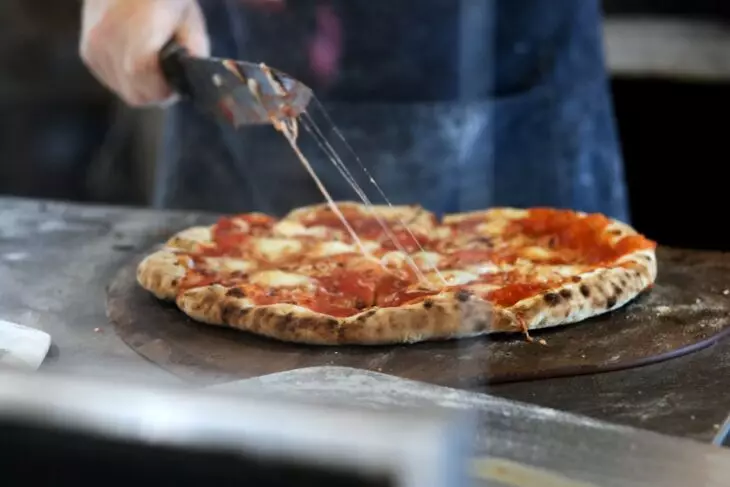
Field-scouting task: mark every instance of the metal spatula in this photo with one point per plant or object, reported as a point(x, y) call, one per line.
point(239, 92)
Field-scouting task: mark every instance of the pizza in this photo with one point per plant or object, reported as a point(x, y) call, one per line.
point(404, 276)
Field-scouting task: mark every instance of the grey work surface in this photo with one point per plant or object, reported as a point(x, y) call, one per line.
point(56, 259)
point(576, 448)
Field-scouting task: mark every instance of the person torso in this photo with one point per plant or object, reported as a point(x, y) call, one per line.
point(456, 105)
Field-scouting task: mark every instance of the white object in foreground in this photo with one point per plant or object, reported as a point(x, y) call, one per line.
point(22, 347)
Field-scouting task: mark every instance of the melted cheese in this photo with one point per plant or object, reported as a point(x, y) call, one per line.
point(326, 249)
point(288, 228)
point(486, 268)
point(281, 279)
point(482, 289)
point(537, 254)
point(190, 238)
point(452, 277)
point(274, 249)
point(427, 260)
point(394, 258)
point(568, 270)
point(227, 264)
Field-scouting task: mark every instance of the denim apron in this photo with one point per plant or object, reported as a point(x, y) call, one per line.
point(456, 105)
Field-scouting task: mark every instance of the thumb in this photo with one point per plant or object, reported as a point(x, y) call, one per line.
point(192, 33)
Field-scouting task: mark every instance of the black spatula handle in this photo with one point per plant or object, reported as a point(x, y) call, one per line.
point(172, 63)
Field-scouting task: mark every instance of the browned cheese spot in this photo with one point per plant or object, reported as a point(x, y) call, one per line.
point(611, 302)
point(428, 303)
point(617, 290)
point(576, 279)
point(566, 294)
point(174, 282)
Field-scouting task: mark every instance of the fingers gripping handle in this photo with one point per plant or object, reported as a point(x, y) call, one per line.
point(172, 64)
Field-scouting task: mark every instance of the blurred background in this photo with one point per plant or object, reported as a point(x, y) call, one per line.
point(63, 136)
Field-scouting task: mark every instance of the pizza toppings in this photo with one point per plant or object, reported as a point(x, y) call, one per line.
point(540, 265)
point(530, 253)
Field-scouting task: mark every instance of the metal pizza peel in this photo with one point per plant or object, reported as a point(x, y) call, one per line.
point(236, 92)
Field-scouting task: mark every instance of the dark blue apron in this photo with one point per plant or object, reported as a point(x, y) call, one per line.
point(456, 105)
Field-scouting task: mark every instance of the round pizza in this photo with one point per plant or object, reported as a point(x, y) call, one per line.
point(399, 274)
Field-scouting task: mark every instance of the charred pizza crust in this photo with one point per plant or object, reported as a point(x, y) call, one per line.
point(447, 315)
point(444, 316)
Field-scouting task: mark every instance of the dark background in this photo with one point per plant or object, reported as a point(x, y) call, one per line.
point(62, 136)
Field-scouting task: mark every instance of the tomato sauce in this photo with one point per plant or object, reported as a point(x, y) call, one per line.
point(513, 293)
point(347, 286)
point(409, 241)
point(586, 235)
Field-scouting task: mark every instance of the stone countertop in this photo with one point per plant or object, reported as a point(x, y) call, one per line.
point(56, 260)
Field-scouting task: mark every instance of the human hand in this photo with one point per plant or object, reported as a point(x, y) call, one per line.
point(121, 41)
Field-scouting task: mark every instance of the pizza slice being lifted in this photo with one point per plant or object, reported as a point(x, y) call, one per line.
point(303, 279)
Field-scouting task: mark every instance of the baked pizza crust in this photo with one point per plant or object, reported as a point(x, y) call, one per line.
point(441, 317)
point(444, 316)
point(161, 273)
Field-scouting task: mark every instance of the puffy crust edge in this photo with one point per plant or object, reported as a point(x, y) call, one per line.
point(599, 291)
point(160, 273)
point(442, 317)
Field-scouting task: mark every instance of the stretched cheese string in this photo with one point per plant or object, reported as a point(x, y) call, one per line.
point(290, 132)
point(327, 148)
point(371, 179)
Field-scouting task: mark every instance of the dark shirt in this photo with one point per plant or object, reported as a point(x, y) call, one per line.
point(457, 105)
